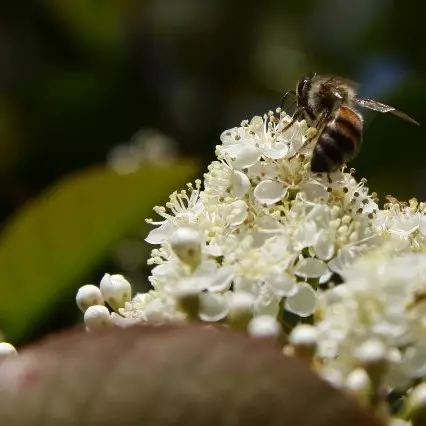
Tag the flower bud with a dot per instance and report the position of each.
(358, 384)
(264, 326)
(304, 339)
(88, 295)
(6, 349)
(240, 309)
(186, 244)
(116, 290)
(372, 356)
(96, 317)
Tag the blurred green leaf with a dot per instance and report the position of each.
(96, 24)
(54, 241)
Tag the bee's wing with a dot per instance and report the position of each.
(377, 106)
(335, 80)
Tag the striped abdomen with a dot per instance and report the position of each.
(338, 142)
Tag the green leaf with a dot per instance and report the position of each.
(54, 241)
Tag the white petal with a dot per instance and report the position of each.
(238, 213)
(370, 207)
(303, 303)
(213, 307)
(228, 136)
(120, 321)
(324, 246)
(246, 157)
(246, 285)
(310, 268)
(213, 249)
(282, 284)
(221, 280)
(240, 184)
(305, 235)
(325, 278)
(344, 259)
(275, 150)
(267, 306)
(269, 192)
(160, 234)
(320, 214)
(314, 191)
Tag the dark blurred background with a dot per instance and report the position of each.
(79, 77)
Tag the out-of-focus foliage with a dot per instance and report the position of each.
(54, 241)
(79, 77)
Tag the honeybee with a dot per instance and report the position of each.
(329, 104)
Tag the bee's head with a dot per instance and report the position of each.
(302, 89)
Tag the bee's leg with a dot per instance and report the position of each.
(307, 141)
(329, 178)
(297, 115)
(314, 132)
(285, 97)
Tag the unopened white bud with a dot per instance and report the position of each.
(264, 326)
(358, 383)
(186, 243)
(304, 339)
(88, 295)
(240, 309)
(116, 290)
(6, 349)
(372, 356)
(96, 317)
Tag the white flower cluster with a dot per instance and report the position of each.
(382, 301)
(263, 239)
(263, 226)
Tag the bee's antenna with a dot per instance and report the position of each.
(285, 96)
